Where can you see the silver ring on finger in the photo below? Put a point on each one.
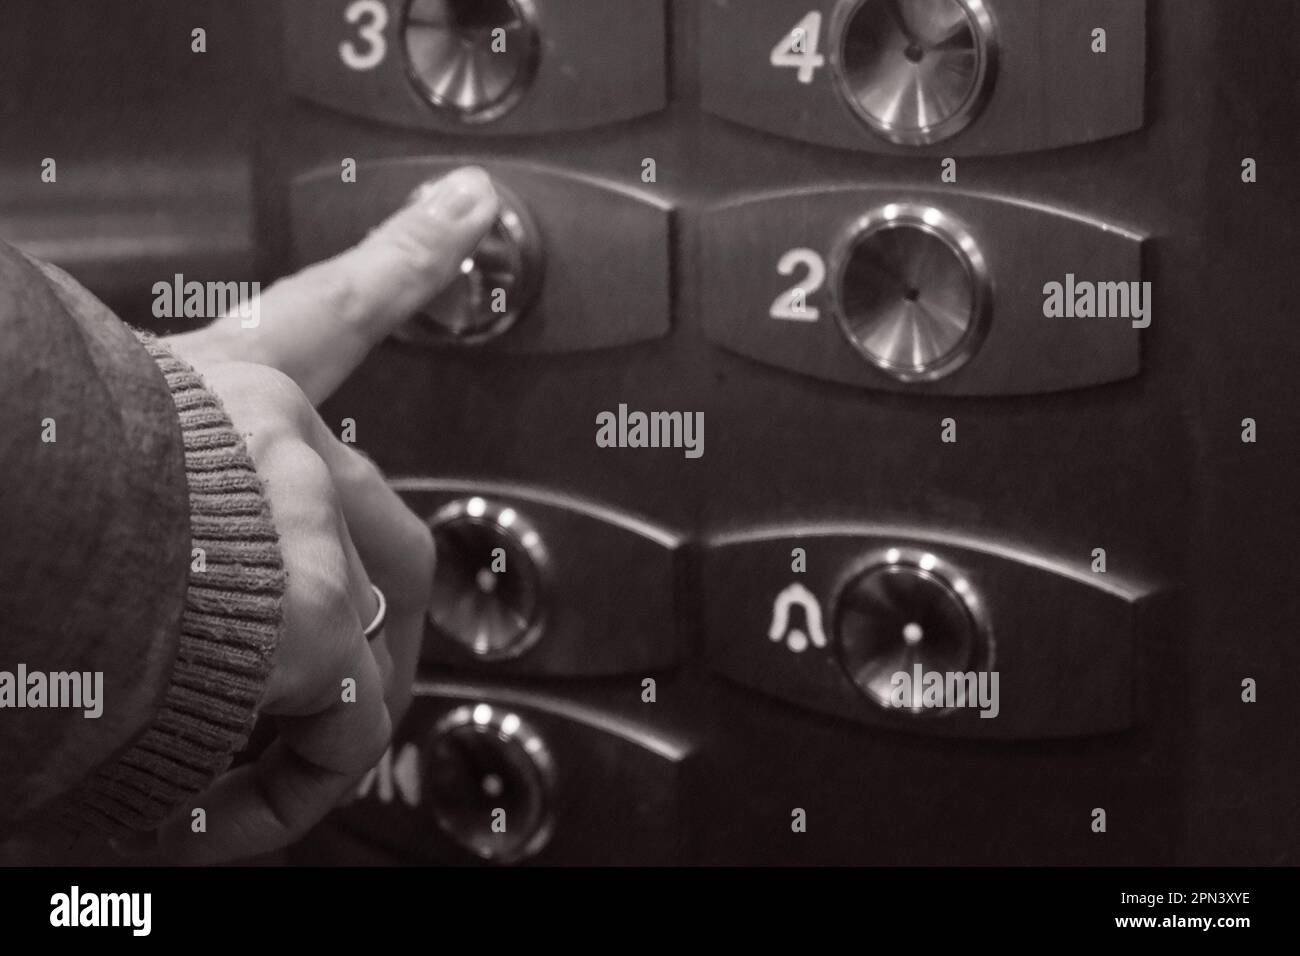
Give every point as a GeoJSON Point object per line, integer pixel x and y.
{"type": "Point", "coordinates": [376, 626]}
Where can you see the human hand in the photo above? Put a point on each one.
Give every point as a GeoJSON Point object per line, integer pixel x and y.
{"type": "Point", "coordinates": [340, 525]}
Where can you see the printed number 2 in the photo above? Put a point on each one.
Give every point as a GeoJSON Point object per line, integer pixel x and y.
{"type": "Point", "coordinates": [792, 304]}
{"type": "Point", "coordinates": [372, 33]}
{"type": "Point", "coordinates": [798, 48]}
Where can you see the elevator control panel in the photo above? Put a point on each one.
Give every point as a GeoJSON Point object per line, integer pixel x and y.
{"type": "Point", "coordinates": [926, 634]}
{"type": "Point", "coordinates": [473, 61]}
{"type": "Point", "coordinates": [481, 773]}
{"type": "Point", "coordinates": [493, 580]}
{"type": "Point", "coordinates": [479, 756]}
{"type": "Point", "coordinates": [917, 291]}
{"type": "Point", "coordinates": [915, 73]}
{"type": "Point", "coordinates": [529, 287]}
{"type": "Point", "coordinates": [930, 77]}
{"type": "Point", "coordinates": [488, 66]}
{"type": "Point", "coordinates": [820, 228]}
{"type": "Point", "coordinates": [513, 589]}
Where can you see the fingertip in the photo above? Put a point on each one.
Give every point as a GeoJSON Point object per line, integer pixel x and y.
{"type": "Point", "coordinates": [460, 196]}
{"type": "Point", "coordinates": [445, 222]}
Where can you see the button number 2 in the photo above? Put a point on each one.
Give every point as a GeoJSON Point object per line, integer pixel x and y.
{"type": "Point", "coordinates": [792, 304]}
{"type": "Point", "coordinates": [370, 17]}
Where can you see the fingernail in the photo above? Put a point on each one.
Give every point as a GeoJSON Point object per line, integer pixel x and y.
{"type": "Point", "coordinates": [458, 194]}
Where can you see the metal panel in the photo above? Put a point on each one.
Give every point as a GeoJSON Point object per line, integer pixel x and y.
{"type": "Point", "coordinates": [1051, 89]}
{"type": "Point", "coordinates": [1067, 660]}
{"type": "Point", "coordinates": [626, 623]}
{"type": "Point", "coordinates": [606, 279]}
{"type": "Point", "coordinates": [1024, 247]}
{"type": "Point", "coordinates": [578, 82]}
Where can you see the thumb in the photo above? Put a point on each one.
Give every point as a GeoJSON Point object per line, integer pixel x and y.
{"type": "Point", "coordinates": [318, 325]}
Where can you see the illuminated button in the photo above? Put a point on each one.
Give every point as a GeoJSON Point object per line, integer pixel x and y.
{"type": "Point", "coordinates": [471, 59]}
{"type": "Point", "coordinates": [494, 288]}
{"type": "Point", "coordinates": [492, 783]}
{"type": "Point", "coordinates": [916, 71]}
{"type": "Point", "coordinates": [491, 583]}
{"type": "Point", "coordinates": [912, 291]}
{"type": "Point", "coordinates": [906, 608]}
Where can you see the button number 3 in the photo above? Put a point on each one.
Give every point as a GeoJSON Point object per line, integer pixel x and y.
{"type": "Point", "coordinates": [370, 17]}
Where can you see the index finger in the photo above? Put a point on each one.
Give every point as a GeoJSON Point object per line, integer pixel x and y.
{"type": "Point", "coordinates": [318, 325]}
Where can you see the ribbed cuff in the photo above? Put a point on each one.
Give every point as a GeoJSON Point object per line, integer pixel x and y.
{"type": "Point", "coordinates": [229, 629]}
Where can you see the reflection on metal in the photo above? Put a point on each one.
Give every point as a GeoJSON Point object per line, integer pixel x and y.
{"type": "Point", "coordinates": [491, 782]}
{"type": "Point", "coordinates": [491, 585]}
{"type": "Point", "coordinates": [905, 608]}
{"type": "Point", "coordinates": [912, 291]}
{"type": "Point", "coordinates": [916, 71]}
{"type": "Point", "coordinates": [471, 59]}
{"type": "Point", "coordinates": [119, 226]}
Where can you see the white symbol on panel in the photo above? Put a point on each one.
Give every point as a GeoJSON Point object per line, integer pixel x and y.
{"type": "Point", "coordinates": [394, 778]}
{"type": "Point", "coordinates": [795, 639]}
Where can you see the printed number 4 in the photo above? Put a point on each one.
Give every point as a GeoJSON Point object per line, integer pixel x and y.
{"type": "Point", "coordinates": [798, 48]}
{"type": "Point", "coordinates": [792, 304]}
{"type": "Point", "coordinates": [370, 17]}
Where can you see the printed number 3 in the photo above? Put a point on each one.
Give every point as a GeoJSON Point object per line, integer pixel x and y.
{"type": "Point", "coordinates": [372, 33]}
{"type": "Point", "coordinates": [798, 48]}
{"type": "Point", "coordinates": [792, 304]}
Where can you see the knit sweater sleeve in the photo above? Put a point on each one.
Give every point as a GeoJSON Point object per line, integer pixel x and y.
{"type": "Point", "coordinates": [146, 554]}
{"type": "Point", "coordinates": [228, 629]}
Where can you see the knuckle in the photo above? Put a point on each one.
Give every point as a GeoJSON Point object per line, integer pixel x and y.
{"type": "Point", "coordinates": [356, 469]}
{"type": "Point", "coordinates": [271, 406]}
{"type": "Point", "coordinates": [303, 494]}
{"type": "Point", "coordinates": [331, 599]}
{"type": "Point", "coordinates": [277, 392]}
{"type": "Point", "coordinates": [315, 482]}
{"type": "Point", "coordinates": [318, 584]}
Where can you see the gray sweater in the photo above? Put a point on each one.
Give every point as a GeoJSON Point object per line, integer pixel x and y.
{"type": "Point", "coordinates": [138, 545]}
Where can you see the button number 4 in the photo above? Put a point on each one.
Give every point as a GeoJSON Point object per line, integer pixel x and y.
{"type": "Point", "coordinates": [798, 48]}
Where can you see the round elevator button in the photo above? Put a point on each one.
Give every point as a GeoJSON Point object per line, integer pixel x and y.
{"type": "Point", "coordinates": [492, 782]}
{"type": "Point", "coordinates": [903, 611]}
{"type": "Point", "coordinates": [471, 59]}
{"type": "Point", "coordinates": [495, 286]}
{"type": "Point", "coordinates": [489, 588]}
{"type": "Point", "coordinates": [912, 291]}
{"type": "Point", "coordinates": [916, 71]}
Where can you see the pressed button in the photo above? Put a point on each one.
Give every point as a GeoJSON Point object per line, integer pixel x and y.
{"type": "Point", "coordinates": [491, 583]}
{"type": "Point", "coordinates": [906, 611]}
{"type": "Point", "coordinates": [471, 59]}
{"type": "Point", "coordinates": [495, 286]}
{"type": "Point", "coordinates": [916, 71]}
{"type": "Point", "coordinates": [492, 781]}
{"type": "Point", "coordinates": [912, 291]}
